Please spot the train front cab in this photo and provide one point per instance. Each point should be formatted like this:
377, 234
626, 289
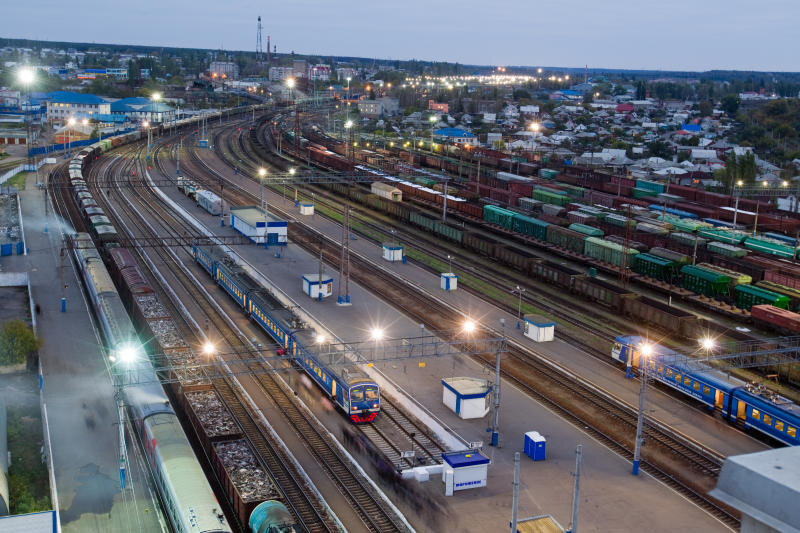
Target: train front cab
625, 351
364, 401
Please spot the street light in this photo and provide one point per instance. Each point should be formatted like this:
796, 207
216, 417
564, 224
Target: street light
70, 123
432, 119
208, 348
376, 334
519, 290
707, 343
469, 326
261, 173
645, 351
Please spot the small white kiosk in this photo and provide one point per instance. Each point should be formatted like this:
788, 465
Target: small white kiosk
467, 397
306, 209
393, 251
539, 328
315, 289
464, 470
448, 281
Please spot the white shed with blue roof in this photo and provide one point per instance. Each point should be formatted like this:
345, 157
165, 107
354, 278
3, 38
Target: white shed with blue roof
539, 328
467, 397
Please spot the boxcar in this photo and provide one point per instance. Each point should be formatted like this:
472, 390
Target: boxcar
702, 281
747, 296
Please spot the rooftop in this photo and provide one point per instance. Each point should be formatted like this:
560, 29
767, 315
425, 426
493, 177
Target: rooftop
453, 132
69, 97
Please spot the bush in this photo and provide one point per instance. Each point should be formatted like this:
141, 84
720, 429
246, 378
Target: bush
17, 341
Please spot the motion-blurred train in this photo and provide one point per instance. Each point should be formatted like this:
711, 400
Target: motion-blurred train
739, 402
349, 387
188, 497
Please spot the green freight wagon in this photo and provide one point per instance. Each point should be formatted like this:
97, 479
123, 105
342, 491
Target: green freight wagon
688, 240
641, 193
573, 191
608, 252
749, 295
619, 220
565, 238
789, 292
737, 278
675, 257
531, 226
548, 174
427, 182
498, 215
769, 246
421, 221
551, 198
705, 282
549, 189
682, 224
721, 235
727, 250
447, 231
653, 186
655, 267
586, 230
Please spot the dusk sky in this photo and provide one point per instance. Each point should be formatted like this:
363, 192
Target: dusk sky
677, 34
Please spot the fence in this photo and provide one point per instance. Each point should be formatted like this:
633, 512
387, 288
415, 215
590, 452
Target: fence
24, 167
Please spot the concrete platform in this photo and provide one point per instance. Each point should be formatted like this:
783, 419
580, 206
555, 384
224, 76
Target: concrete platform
607, 484
79, 395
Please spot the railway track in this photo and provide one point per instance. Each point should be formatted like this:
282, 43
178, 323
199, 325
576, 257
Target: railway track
369, 506
310, 513
578, 401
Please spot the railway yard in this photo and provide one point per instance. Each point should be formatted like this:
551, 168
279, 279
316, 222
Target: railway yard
251, 398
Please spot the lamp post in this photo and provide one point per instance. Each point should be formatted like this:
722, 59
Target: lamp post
518, 290
349, 127
347, 109
262, 172
70, 123
26, 76
146, 125
432, 120
155, 97
738, 188
645, 351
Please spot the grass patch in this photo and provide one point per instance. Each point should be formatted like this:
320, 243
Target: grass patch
17, 180
28, 478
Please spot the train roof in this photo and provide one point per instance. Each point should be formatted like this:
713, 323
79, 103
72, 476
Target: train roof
765, 399
194, 497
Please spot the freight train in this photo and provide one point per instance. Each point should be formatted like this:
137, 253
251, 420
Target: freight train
190, 502
352, 390
737, 401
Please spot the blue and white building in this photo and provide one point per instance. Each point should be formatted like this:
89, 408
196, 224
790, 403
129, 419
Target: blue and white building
456, 135
63, 105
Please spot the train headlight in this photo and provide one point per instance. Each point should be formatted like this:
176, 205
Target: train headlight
127, 354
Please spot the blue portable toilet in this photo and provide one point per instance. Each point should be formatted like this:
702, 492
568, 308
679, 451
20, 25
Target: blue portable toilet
6, 248
21, 248
535, 446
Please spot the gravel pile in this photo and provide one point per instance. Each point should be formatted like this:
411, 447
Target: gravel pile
151, 307
187, 376
167, 334
252, 483
213, 416
9, 217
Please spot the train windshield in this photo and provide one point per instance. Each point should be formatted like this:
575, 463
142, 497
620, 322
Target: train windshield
371, 393
357, 395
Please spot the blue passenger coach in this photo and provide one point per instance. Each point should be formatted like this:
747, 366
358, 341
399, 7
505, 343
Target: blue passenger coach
348, 386
736, 400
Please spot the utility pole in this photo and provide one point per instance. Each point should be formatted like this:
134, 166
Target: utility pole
496, 413
515, 501
444, 205
63, 285
576, 492
321, 271
637, 450
180, 151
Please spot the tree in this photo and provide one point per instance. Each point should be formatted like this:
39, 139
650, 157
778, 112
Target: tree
522, 94
730, 104
17, 340
706, 109
659, 148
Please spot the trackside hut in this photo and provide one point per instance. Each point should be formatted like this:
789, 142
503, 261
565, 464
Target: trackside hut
254, 223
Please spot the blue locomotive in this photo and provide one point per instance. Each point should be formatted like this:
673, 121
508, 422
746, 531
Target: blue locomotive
349, 388
736, 400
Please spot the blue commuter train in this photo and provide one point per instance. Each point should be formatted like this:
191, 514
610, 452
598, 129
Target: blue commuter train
738, 401
350, 388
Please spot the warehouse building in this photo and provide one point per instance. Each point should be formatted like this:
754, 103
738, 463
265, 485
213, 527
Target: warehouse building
61, 105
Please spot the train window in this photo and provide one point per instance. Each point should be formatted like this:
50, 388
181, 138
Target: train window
371, 393
706, 390
755, 414
779, 425
792, 432
696, 385
668, 373
677, 378
356, 395
687, 381
660, 369
767, 420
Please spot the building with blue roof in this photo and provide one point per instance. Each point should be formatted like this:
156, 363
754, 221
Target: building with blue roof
455, 135
63, 105
139, 108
